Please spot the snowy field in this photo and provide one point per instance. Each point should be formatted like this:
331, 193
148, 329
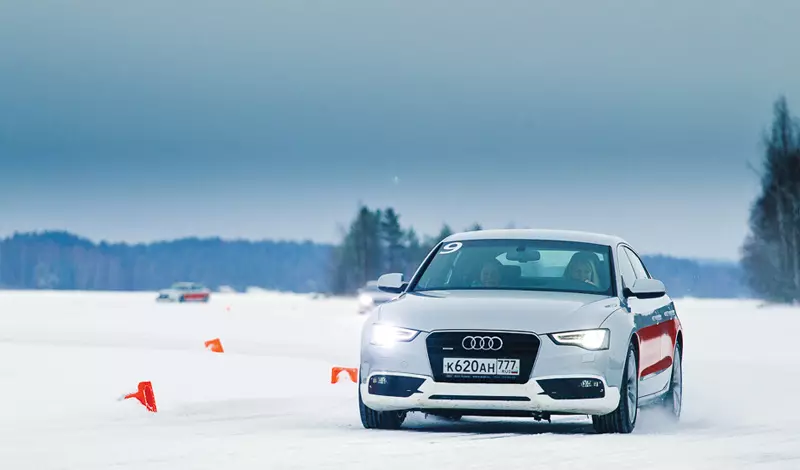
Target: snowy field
267, 402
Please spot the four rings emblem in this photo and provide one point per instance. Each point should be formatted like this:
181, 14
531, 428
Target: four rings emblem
481, 343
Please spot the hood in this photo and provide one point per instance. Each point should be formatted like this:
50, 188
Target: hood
539, 312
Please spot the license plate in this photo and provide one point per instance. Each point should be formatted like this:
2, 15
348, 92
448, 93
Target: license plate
465, 366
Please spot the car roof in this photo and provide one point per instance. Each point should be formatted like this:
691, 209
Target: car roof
537, 234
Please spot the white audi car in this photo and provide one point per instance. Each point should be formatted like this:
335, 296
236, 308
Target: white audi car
184, 292
523, 323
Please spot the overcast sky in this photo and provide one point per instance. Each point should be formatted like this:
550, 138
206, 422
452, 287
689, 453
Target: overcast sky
260, 119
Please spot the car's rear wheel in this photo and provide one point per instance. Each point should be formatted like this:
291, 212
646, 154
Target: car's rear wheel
623, 419
673, 400
372, 419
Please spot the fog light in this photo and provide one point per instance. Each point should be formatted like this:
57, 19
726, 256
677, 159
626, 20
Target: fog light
394, 385
572, 388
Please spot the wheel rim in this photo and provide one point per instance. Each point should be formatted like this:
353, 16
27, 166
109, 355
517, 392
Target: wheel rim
632, 386
677, 384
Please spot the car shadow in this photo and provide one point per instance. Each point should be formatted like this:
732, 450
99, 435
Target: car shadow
504, 426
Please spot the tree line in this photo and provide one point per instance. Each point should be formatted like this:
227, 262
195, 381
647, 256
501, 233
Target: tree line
61, 260
375, 243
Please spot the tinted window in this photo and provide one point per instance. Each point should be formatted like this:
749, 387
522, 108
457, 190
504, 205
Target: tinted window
626, 268
638, 266
521, 265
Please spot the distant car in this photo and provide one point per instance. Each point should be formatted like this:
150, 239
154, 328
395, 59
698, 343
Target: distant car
525, 323
185, 292
369, 297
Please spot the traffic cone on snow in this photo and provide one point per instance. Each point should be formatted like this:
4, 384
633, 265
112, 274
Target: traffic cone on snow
351, 371
214, 345
145, 396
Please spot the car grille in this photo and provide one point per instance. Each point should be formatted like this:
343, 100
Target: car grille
442, 344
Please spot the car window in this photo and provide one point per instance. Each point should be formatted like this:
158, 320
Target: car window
638, 266
625, 268
541, 265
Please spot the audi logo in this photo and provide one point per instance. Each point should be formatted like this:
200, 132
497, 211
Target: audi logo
482, 343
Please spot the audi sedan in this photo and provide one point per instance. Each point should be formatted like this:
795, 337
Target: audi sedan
184, 292
523, 323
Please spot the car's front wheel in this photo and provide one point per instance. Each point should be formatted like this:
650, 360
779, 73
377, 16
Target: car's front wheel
623, 419
372, 419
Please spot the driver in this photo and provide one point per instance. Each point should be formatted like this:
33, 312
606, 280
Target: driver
490, 274
581, 268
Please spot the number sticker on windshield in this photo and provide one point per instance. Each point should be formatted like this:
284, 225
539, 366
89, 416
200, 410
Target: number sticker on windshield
450, 248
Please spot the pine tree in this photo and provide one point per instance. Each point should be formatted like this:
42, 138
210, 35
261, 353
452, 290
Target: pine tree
360, 257
367, 251
444, 233
771, 252
392, 236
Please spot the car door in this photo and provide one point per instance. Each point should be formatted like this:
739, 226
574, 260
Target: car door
664, 315
646, 327
655, 375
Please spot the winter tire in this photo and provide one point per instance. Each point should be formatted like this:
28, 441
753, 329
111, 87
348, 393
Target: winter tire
372, 419
623, 419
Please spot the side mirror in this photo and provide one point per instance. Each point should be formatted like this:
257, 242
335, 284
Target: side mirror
392, 283
646, 289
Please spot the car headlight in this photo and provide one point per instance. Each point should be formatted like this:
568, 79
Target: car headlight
593, 340
388, 335
364, 299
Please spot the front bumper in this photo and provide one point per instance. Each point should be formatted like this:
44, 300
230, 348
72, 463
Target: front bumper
563, 394
561, 379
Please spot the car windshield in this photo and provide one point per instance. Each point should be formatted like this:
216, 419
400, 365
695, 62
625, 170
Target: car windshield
541, 265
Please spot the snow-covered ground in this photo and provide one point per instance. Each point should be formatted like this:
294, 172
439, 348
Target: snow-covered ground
267, 402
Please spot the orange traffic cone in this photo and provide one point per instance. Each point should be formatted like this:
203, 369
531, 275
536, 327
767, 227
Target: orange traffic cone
351, 371
215, 345
145, 396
